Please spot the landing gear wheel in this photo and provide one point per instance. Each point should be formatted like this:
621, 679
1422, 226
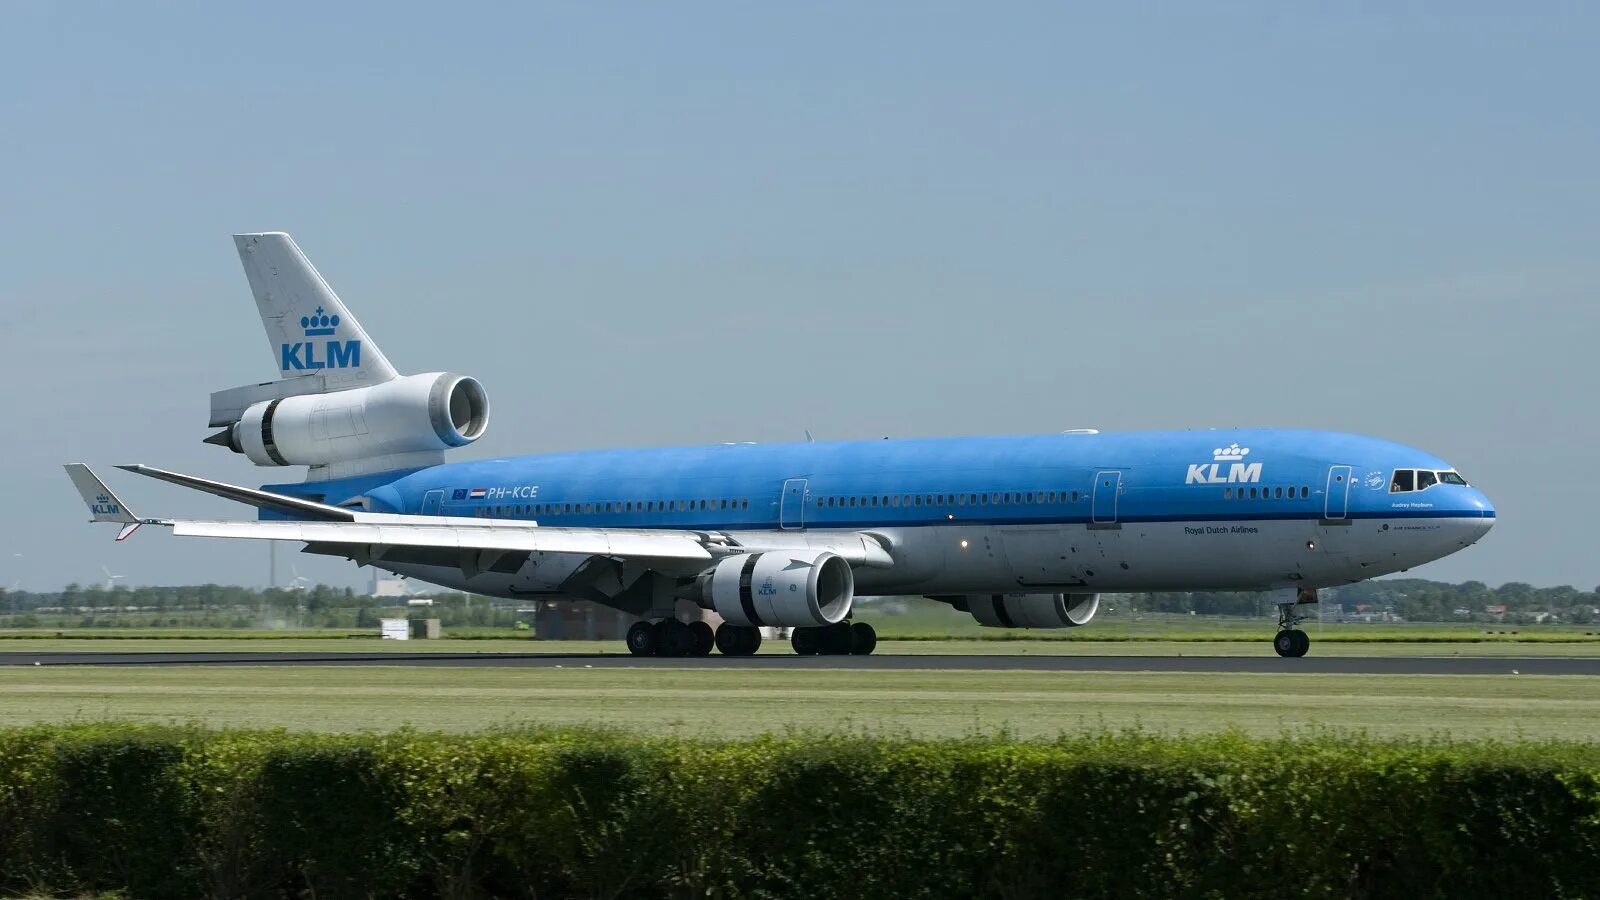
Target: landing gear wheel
642, 639
1291, 642
673, 638
738, 640
806, 641
838, 639
864, 639
703, 639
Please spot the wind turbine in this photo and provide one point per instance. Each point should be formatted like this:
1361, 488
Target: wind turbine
300, 581
111, 580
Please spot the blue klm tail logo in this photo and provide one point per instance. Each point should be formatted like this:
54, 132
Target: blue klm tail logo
335, 354
102, 506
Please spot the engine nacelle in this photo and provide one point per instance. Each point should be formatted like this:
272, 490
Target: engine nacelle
1033, 610
789, 589
409, 415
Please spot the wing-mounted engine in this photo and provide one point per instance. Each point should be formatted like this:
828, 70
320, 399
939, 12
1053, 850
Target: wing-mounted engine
409, 420
1031, 610
782, 588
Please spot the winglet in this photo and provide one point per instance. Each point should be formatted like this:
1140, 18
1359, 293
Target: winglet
104, 505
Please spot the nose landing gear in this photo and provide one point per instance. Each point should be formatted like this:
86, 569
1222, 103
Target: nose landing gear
1290, 640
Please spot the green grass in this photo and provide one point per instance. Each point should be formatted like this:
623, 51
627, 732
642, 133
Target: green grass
731, 703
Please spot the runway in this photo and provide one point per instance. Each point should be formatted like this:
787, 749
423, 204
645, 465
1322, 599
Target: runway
1262, 665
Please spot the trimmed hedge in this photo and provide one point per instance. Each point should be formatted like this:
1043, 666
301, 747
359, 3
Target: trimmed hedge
157, 812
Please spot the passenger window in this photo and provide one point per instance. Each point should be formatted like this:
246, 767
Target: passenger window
1404, 480
1305, 492
1426, 479
1277, 493
1227, 493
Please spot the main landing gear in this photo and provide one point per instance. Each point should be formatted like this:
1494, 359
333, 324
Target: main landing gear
843, 639
669, 637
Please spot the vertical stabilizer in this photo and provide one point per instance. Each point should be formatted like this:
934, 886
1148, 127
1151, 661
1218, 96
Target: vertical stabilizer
309, 330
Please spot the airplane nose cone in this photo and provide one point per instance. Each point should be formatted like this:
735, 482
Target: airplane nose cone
1485, 514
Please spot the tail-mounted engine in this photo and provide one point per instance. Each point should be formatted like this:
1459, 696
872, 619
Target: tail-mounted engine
1032, 610
409, 419
781, 588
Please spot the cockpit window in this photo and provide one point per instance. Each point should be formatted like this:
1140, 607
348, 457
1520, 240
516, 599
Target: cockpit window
1422, 479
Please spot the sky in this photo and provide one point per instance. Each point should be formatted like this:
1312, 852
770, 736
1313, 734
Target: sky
644, 224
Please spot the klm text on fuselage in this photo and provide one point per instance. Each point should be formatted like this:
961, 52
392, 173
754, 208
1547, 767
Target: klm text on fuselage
1212, 473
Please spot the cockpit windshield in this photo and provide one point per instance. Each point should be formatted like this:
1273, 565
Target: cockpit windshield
1406, 480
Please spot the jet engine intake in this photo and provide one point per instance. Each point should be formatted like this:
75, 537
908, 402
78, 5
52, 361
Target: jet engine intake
789, 589
1033, 610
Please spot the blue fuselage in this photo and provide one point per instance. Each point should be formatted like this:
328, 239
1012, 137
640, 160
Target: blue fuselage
1175, 488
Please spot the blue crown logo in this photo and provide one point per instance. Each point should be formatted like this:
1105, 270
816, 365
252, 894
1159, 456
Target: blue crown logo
319, 323
102, 499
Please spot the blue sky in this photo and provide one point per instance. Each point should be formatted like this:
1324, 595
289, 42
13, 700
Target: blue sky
651, 224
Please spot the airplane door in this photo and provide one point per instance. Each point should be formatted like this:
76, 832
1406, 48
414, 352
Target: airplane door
431, 501
792, 508
1107, 485
1338, 503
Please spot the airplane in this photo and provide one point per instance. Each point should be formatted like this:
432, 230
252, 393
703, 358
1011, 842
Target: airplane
1017, 532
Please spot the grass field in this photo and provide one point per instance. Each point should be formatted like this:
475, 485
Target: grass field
723, 703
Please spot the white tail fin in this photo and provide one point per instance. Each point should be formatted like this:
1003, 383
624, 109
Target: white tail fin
309, 330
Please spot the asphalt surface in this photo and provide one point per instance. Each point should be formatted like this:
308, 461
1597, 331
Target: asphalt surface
1266, 664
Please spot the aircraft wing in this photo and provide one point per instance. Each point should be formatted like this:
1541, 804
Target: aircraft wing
324, 525
337, 525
